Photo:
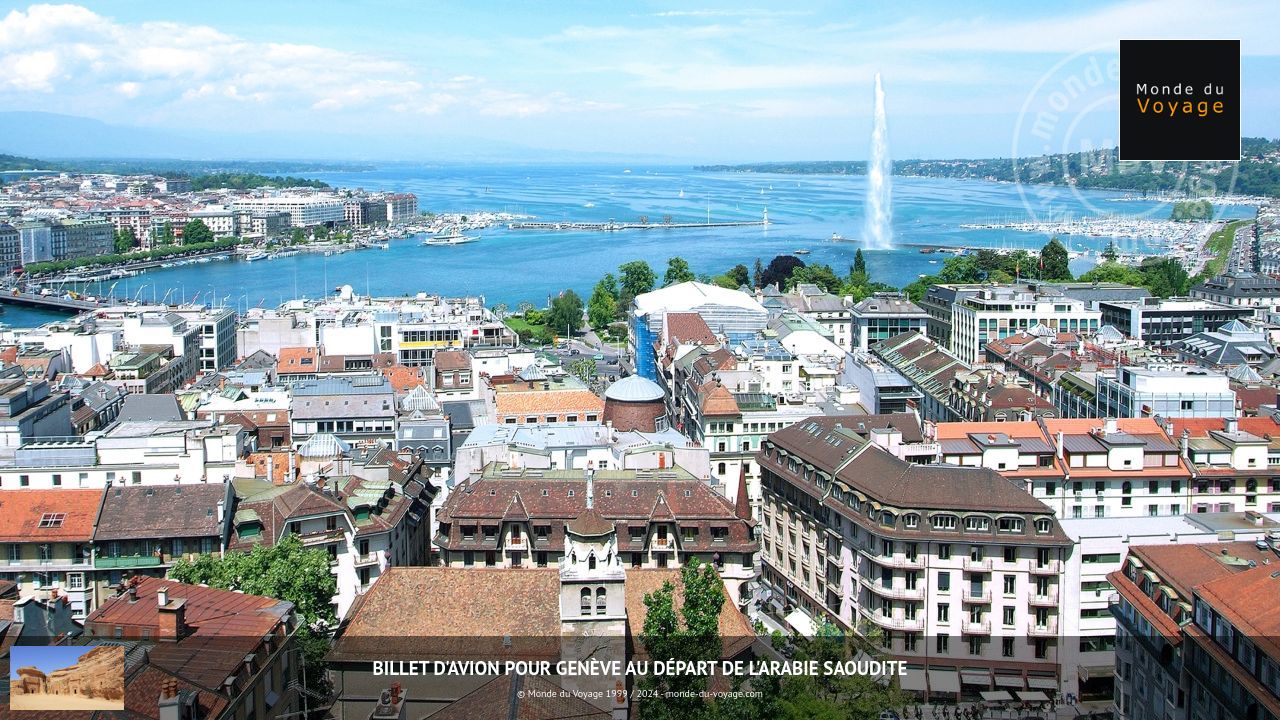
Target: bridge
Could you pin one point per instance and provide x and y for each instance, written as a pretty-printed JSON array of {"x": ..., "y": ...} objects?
[{"x": 52, "y": 302}]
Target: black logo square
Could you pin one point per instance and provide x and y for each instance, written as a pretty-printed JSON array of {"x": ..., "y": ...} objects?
[{"x": 1179, "y": 99}]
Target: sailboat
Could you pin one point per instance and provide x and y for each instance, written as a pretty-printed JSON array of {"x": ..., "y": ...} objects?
[{"x": 681, "y": 192}]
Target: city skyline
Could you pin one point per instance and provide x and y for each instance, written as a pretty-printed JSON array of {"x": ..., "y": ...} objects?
[{"x": 711, "y": 82}]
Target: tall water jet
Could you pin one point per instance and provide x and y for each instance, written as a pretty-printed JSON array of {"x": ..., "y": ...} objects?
[{"x": 877, "y": 233}]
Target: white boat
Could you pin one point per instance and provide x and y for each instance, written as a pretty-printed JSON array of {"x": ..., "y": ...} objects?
[
  {"x": 452, "y": 238},
  {"x": 836, "y": 237},
  {"x": 255, "y": 255},
  {"x": 802, "y": 252},
  {"x": 589, "y": 205}
]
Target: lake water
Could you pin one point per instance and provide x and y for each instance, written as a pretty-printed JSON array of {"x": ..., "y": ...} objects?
[{"x": 515, "y": 265}]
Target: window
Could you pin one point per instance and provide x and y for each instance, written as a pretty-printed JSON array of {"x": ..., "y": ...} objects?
[
  {"x": 944, "y": 613},
  {"x": 1011, "y": 525},
  {"x": 24, "y": 481},
  {"x": 1006, "y": 647},
  {"x": 490, "y": 558},
  {"x": 1010, "y": 554},
  {"x": 601, "y": 602},
  {"x": 1010, "y": 584},
  {"x": 1008, "y": 617},
  {"x": 944, "y": 581},
  {"x": 944, "y": 551},
  {"x": 585, "y": 602},
  {"x": 942, "y": 644},
  {"x": 57, "y": 480},
  {"x": 51, "y": 520}
]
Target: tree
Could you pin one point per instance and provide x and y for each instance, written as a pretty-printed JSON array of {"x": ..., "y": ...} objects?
[
  {"x": 1165, "y": 277},
  {"x": 602, "y": 308},
  {"x": 523, "y": 308},
  {"x": 696, "y": 639},
  {"x": 757, "y": 274},
  {"x": 166, "y": 235},
  {"x": 859, "y": 262},
  {"x": 196, "y": 232},
  {"x": 779, "y": 271},
  {"x": 286, "y": 571},
  {"x": 739, "y": 275},
  {"x": 637, "y": 278},
  {"x": 321, "y": 232},
  {"x": 1113, "y": 272},
  {"x": 297, "y": 236},
  {"x": 501, "y": 310},
  {"x": 125, "y": 241},
  {"x": 1054, "y": 261},
  {"x": 677, "y": 272},
  {"x": 833, "y": 695},
  {"x": 584, "y": 368},
  {"x": 1110, "y": 254},
  {"x": 565, "y": 313},
  {"x": 821, "y": 275}
]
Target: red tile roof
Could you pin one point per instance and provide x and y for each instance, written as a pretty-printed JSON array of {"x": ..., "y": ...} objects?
[
  {"x": 60, "y": 515},
  {"x": 298, "y": 360},
  {"x": 685, "y": 328},
  {"x": 1200, "y": 427},
  {"x": 402, "y": 378},
  {"x": 452, "y": 360}
]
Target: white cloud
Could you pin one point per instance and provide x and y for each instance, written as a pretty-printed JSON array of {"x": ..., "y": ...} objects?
[
  {"x": 29, "y": 71},
  {"x": 129, "y": 89}
]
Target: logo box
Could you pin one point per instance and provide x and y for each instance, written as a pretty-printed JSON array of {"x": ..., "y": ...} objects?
[{"x": 1180, "y": 100}]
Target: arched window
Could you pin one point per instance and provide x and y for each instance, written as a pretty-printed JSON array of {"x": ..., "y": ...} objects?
[
  {"x": 600, "y": 601},
  {"x": 1126, "y": 488},
  {"x": 586, "y": 601},
  {"x": 1251, "y": 485},
  {"x": 591, "y": 561}
]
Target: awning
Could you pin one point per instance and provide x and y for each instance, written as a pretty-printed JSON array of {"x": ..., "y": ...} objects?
[
  {"x": 944, "y": 681},
  {"x": 801, "y": 623},
  {"x": 1044, "y": 683},
  {"x": 1014, "y": 681},
  {"x": 975, "y": 677},
  {"x": 996, "y": 696},
  {"x": 1033, "y": 696},
  {"x": 913, "y": 679}
]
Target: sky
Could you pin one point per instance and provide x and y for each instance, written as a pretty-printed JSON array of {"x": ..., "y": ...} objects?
[{"x": 689, "y": 80}]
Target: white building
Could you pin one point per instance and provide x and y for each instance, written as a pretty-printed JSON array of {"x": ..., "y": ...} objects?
[
  {"x": 1164, "y": 390},
  {"x": 304, "y": 210},
  {"x": 997, "y": 312}
]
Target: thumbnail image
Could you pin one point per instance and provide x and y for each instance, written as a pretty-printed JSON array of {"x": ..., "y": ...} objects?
[{"x": 66, "y": 678}]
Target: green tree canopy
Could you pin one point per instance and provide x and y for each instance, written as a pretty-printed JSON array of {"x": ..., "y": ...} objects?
[
  {"x": 196, "y": 232},
  {"x": 565, "y": 313},
  {"x": 1054, "y": 261},
  {"x": 677, "y": 272},
  {"x": 125, "y": 241},
  {"x": 739, "y": 275},
  {"x": 602, "y": 308},
  {"x": 779, "y": 271},
  {"x": 821, "y": 275},
  {"x": 637, "y": 278},
  {"x": 859, "y": 262},
  {"x": 665, "y": 637}
]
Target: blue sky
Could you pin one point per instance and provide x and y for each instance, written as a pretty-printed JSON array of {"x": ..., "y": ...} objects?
[
  {"x": 45, "y": 658},
  {"x": 688, "y": 80}
]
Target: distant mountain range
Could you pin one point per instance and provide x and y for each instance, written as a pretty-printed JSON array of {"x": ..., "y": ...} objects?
[
  {"x": 53, "y": 136},
  {"x": 1258, "y": 172}
]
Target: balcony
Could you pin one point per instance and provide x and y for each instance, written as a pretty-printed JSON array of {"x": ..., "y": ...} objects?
[
  {"x": 972, "y": 565},
  {"x": 1043, "y": 600},
  {"x": 896, "y": 593},
  {"x": 897, "y": 623},
  {"x": 1052, "y": 567},
  {"x": 128, "y": 561},
  {"x": 324, "y": 537},
  {"x": 367, "y": 559},
  {"x": 976, "y": 596},
  {"x": 50, "y": 564},
  {"x": 663, "y": 544},
  {"x": 893, "y": 561},
  {"x": 976, "y": 628},
  {"x": 1048, "y": 628},
  {"x": 517, "y": 543}
]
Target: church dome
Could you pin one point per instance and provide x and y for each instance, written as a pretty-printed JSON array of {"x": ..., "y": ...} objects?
[{"x": 634, "y": 389}]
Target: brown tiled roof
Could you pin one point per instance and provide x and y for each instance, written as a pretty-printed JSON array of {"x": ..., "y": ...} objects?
[
  {"x": 142, "y": 694},
  {"x": 589, "y": 523},
  {"x": 98, "y": 371},
  {"x": 717, "y": 400},
  {"x": 687, "y": 328},
  {"x": 455, "y": 614},
  {"x": 520, "y": 697},
  {"x": 1248, "y": 600},
  {"x": 23, "y": 512},
  {"x": 163, "y": 511},
  {"x": 1183, "y": 566},
  {"x": 402, "y": 378},
  {"x": 1200, "y": 427},
  {"x": 297, "y": 360},
  {"x": 452, "y": 360},
  {"x": 549, "y": 402}
]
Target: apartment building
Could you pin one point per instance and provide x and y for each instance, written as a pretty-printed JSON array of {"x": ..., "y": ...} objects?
[
  {"x": 207, "y": 653},
  {"x": 930, "y": 368},
  {"x": 1235, "y": 463},
  {"x": 304, "y": 210},
  {"x": 352, "y": 408},
  {"x": 958, "y": 568},
  {"x": 365, "y": 523},
  {"x": 882, "y": 316},
  {"x": 517, "y": 517},
  {"x": 815, "y": 304},
  {"x": 10, "y": 248},
  {"x": 401, "y": 207},
  {"x": 48, "y": 544},
  {"x": 1255, "y": 291},
  {"x": 996, "y": 312},
  {"x": 1195, "y": 629},
  {"x": 30, "y": 410}
]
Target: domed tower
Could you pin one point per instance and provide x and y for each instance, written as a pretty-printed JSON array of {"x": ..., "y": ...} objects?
[{"x": 635, "y": 403}]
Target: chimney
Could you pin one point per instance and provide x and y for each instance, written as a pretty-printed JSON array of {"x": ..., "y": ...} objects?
[
  {"x": 173, "y": 620},
  {"x": 222, "y": 510},
  {"x": 1059, "y": 445},
  {"x": 162, "y": 595},
  {"x": 1232, "y": 424},
  {"x": 133, "y": 595},
  {"x": 1110, "y": 426},
  {"x": 170, "y": 704},
  {"x": 391, "y": 704},
  {"x": 591, "y": 486},
  {"x": 1185, "y": 443}
]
